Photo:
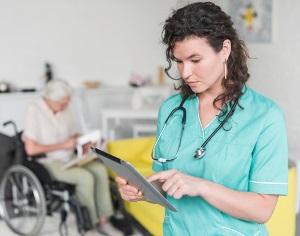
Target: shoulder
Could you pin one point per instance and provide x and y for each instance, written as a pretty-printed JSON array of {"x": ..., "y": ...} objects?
[
  {"x": 171, "y": 102},
  {"x": 258, "y": 102},
  {"x": 35, "y": 106},
  {"x": 168, "y": 105},
  {"x": 173, "y": 99},
  {"x": 260, "y": 110}
]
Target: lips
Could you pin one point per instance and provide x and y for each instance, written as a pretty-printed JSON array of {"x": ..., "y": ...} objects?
[{"x": 192, "y": 83}]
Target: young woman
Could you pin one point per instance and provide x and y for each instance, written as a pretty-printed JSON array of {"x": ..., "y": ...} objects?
[{"x": 221, "y": 157}]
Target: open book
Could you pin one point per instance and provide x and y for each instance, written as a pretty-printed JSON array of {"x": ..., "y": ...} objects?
[{"x": 81, "y": 159}]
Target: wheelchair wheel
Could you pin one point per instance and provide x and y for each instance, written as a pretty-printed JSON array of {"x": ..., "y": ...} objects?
[{"x": 22, "y": 201}]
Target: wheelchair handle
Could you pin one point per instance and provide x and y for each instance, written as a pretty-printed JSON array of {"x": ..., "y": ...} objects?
[{"x": 12, "y": 123}]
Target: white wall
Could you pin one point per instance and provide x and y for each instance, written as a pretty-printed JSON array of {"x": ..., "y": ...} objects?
[
  {"x": 84, "y": 39},
  {"x": 109, "y": 39},
  {"x": 276, "y": 71}
]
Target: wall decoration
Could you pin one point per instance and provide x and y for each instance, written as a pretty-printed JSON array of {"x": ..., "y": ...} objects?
[{"x": 253, "y": 19}]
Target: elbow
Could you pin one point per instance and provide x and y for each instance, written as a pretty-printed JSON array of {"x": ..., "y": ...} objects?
[
  {"x": 263, "y": 216},
  {"x": 31, "y": 147},
  {"x": 260, "y": 218},
  {"x": 29, "y": 151},
  {"x": 263, "y": 219}
]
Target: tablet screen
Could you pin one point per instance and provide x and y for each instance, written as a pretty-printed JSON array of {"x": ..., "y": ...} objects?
[{"x": 125, "y": 170}]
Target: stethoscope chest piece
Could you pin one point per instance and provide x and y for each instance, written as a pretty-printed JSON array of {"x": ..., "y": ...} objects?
[{"x": 200, "y": 152}]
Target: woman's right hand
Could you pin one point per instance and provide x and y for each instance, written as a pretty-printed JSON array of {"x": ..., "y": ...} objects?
[
  {"x": 70, "y": 143},
  {"x": 129, "y": 192}
]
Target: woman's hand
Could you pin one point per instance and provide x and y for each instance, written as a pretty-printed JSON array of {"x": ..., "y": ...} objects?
[
  {"x": 86, "y": 147},
  {"x": 70, "y": 143},
  {"x": 129, "y": 192},
  {"x": 177, "y": 184},
  {"x": 248, "y": 206}
]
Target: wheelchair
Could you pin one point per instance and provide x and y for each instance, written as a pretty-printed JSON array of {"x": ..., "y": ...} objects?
[{"x": 28, "y": 194}]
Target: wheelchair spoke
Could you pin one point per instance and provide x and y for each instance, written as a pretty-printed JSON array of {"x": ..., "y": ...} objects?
[
  {"x": 24, "y": 206},
  {"x": 15, "y": 184}
]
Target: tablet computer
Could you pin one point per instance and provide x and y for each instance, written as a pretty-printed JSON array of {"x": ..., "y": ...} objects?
[{"x": 125, "y": 170}]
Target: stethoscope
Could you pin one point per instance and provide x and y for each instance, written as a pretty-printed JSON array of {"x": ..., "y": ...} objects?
[{"x": 200, "y": 152}]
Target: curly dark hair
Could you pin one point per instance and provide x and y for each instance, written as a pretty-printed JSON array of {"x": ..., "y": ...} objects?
[{"x": 207, "y": 20}]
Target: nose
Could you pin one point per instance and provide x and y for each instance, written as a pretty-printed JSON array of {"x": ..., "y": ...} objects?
[{"x": 185, "y": 70}]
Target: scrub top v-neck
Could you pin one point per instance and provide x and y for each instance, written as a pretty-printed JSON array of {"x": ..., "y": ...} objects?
[{"x": 239, "y": 156}]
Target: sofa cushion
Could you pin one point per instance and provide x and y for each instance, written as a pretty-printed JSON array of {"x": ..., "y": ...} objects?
[{"x": 137, "y": 151}]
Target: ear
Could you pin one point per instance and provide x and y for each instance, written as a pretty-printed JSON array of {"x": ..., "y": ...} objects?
[{"x": 226, "y": 49}]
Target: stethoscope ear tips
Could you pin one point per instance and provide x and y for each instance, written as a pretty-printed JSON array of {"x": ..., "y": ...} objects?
[{"x": 199, "y": 153}]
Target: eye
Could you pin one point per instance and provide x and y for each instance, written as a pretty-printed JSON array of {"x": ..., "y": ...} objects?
[{"x": 196, "y": 61}]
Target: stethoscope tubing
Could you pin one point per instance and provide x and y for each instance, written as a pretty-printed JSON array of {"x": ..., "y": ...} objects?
[
  {"x": 200, "y": 152},
  {"x": 220, "y": 125},
  {"x": 165, "y": 125}
]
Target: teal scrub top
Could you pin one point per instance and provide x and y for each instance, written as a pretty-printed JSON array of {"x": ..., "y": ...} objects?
[{"x": 249, "y": 154}]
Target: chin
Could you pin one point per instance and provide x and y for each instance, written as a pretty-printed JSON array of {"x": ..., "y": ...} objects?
[{"x": 197, "y": 90}]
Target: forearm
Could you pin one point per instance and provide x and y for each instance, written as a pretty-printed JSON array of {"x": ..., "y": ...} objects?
[
  {"x": 39, "y": 148},
  {"x": 248, "y": 206},
  {"x": 33, "y": 147},
  {"x": 242, "y": 205}
]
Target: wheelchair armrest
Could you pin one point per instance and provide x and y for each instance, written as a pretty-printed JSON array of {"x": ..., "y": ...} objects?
[
  {"x": 40, "y": 171},
  {"x": 38, "y": 156}
]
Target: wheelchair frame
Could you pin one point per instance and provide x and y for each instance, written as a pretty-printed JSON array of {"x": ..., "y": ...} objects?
[
  {"x": 26, "y": 198},
  {"x": 22, "y": 198},
  {"x": 25, "y": 202}
]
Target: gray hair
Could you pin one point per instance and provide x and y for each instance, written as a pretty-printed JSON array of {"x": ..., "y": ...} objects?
[{"x": 56, "y": 90}]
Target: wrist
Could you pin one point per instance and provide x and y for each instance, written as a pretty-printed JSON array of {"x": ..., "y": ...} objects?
[
  {"x": 204, "y": 188},
  {"x": 61, "y": 145}
]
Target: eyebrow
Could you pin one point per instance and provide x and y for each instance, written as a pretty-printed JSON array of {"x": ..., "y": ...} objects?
[
  {"x": 193, "y": 55},
  {"x": 189, "y": 57}
]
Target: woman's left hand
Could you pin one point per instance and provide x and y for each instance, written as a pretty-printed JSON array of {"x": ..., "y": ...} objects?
[
  {"x": 86, "y": 147},
  {"x": 178, "y": 184}
]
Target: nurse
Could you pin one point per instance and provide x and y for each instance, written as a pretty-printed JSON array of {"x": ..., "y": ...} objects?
[{"x": 231, "y": 184}]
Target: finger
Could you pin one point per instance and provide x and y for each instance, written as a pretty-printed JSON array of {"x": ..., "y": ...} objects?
[
  {"x": 182, "y": 185},
  {"x": 131, "y": 198},
  {"x": 172, "y": 188},
  {"x": 178, "y": 194},
  {"x": 127, "y": 188},
  {"x": 173, "y": 185},
  {"x": 160, "y": 176},
  {"x": 131, "y": 190},
  {"x": 130, "y": 193},
  {"x": 120, "y": 180}
]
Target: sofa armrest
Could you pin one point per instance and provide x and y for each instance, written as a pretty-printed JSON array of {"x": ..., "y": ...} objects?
[{"x": 133, "y": 149}]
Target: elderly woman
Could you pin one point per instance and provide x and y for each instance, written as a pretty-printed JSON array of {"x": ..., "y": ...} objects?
[{"x": 50, "y": 129}]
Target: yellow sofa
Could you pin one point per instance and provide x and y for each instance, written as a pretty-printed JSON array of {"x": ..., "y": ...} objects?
[
  {"x": 138, "y": 152},
  {"x": 283, "y": 220}
]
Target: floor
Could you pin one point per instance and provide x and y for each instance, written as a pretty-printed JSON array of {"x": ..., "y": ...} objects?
[{"x": 50, "y": 227}]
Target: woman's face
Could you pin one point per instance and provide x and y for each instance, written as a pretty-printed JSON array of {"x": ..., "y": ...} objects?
[
  {"x": 57, "y": 106},
  {"x": 199, "y": 65}
]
